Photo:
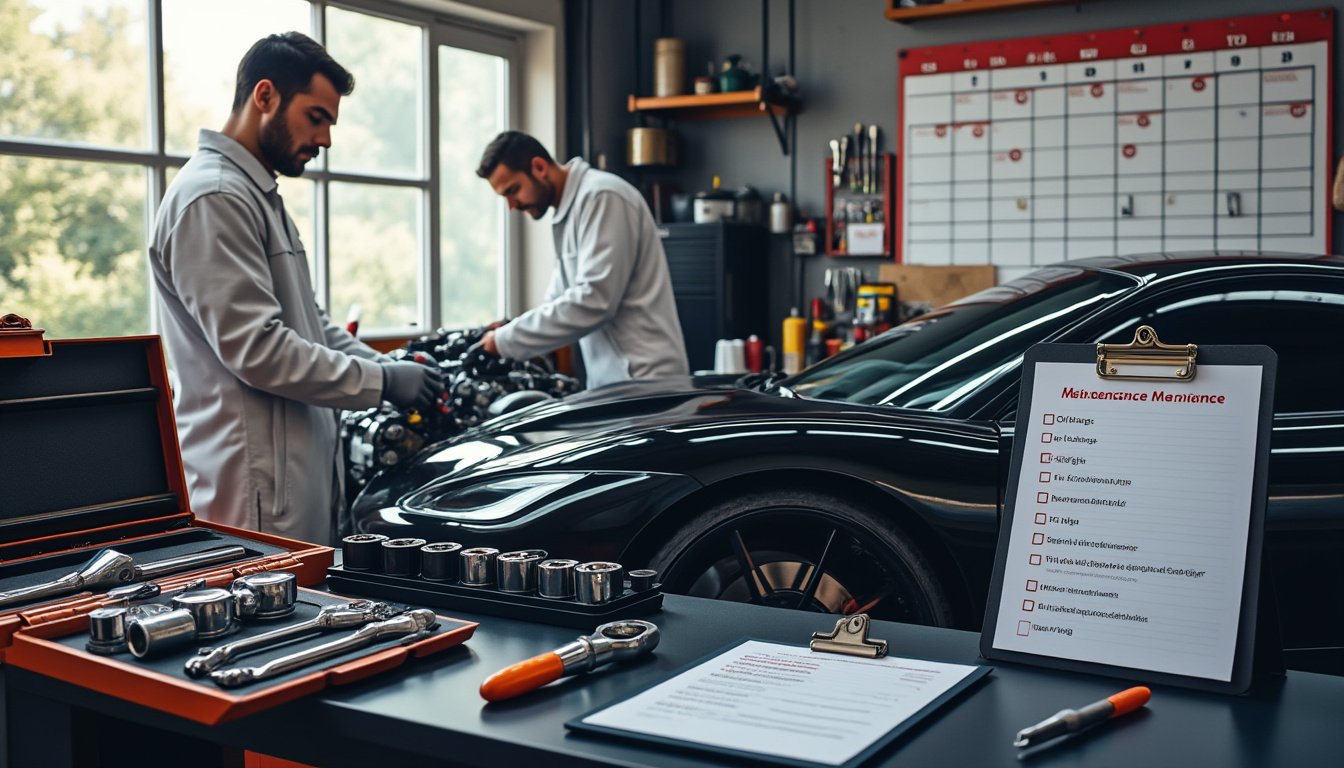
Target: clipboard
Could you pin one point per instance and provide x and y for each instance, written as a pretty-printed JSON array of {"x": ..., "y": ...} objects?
[
  {"x": 848, "y": 642},
  {"x": 1133, "y": 526}
]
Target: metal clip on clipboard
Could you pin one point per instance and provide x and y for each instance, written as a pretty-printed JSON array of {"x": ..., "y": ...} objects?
[
  {"x": 850, "y": 637},
  {"x": 1146, "y": 359}
]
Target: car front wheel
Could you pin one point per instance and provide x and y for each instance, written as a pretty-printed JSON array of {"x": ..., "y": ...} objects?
[{"x": 805, "y": 550}]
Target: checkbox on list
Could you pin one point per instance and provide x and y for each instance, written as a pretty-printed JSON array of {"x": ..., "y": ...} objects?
[
  {"x": 1038, "y": 538},
  {"x": 1023, "y": 628},
  {"x": 1028, "y": 605},
  {"x": 1046, "y": 457},
  {"x": 1048, "y": 419},
  {"x": 1031, "y": 585},
  {"x": 1047, "y": 437},
  {"x": 1045, "y": 477},
  {"x": 1040, "y": 518},
  {"x": 1034, "y": 560},
  {"x": 1042, "y": 497}
]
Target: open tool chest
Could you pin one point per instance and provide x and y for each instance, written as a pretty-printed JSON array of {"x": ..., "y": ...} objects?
[{"x": 91, "y": 475}]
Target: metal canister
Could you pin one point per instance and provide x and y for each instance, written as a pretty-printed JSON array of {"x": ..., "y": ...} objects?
[
  {"x": 650, "y": 146},
  {"x": 669, "y": 66}
]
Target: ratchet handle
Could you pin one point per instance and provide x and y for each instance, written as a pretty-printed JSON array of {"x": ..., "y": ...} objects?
[{"x": 523, "y": 677}]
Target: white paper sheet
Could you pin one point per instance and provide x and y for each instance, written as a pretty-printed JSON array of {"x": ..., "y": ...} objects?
[
  {"x": 785, "y": 701},
  {"x": 1130, "y": 524}
]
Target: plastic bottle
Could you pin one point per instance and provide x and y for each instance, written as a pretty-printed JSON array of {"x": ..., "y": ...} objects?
[{"x": 794, "y": 339}]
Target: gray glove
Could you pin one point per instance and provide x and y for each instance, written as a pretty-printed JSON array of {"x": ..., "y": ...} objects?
[{"x": 407, "y": 384}]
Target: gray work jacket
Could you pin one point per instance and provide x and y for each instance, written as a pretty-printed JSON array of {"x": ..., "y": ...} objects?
[
  {"x": 259, "y": 366},
  {"x": 610, "y": 291}
]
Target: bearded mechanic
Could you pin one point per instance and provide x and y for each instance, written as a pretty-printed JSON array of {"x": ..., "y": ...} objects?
[{"x": 260, "y": 367}]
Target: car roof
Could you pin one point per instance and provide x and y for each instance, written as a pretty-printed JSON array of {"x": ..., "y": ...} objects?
[{"x": 1163, "y": 264}]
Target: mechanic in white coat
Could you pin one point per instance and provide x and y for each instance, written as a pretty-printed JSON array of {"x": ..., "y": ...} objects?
[
  {"x": 610, "y": 291},
  {"x": 260, "y": 368}
]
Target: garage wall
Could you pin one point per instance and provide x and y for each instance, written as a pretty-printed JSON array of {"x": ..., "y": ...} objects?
[{"x": 846, "y": 62}]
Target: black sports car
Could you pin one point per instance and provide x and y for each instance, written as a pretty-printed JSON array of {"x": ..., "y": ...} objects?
[{"x": 874, "y": 480}]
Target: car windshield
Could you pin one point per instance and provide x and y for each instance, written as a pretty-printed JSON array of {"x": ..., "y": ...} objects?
[{"x": 931, "y": 362}]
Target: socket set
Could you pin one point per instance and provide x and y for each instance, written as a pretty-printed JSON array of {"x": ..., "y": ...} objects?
[{"x": 524, "y": 584}]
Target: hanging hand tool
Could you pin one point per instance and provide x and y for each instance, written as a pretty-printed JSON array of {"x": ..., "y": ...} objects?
[
  {"x": 415, "y": 622},
  {"x": 856, "y": 173},
  {"x": 110, "y": 567},
  {"x": 836, "y": 167},
  {"x": 613, "y": 641},
  {"x": 872, "y": 159},
  {"x": 331, "y": 617}
]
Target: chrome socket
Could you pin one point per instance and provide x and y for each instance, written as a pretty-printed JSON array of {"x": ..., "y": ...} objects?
[
  {"x": 401, "y": 557},
  {"x": 642, "y": 579},
  {"x": 478, "y": 566},
  {"x": 212, "y": 610},
  {"x": 107, "y": 631},
  {"x": 362, "y": 552},
  {"x": 148, "y": 635},
  {"x": 598, "y": 582},
  {"x": 518, "y": 570},
  {"x": 439, "y": 561},
  {"x": 556, "y": 578},
  {"x": 268, "y": 595}
]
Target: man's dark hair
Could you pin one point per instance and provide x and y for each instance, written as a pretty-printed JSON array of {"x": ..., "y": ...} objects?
[
  {"x": 513, "y": 149},
  {"x": 289, "y": 61}
]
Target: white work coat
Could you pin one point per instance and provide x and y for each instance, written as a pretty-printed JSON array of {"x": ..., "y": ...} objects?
[
  {"x": 610, "y": 291},
  {"x": 259, "y": 366}
]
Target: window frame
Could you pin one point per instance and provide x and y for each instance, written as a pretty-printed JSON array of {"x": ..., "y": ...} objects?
[{"x": 437, "y": 28}]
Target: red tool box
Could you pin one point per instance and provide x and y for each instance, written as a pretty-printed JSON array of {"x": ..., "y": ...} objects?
[{"x": 91, "y": 462}]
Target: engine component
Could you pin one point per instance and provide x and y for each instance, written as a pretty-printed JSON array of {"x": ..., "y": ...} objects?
[{"x": 477, "y": 387}]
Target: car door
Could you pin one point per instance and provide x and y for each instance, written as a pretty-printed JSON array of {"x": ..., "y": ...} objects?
[{"x": 1300, "y": 315}]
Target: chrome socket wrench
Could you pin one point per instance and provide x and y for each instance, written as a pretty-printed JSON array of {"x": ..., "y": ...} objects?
[
  {"x": 556, "y": 578},
  {"x": 110, "y": 568},
  {"x": 107, "y": 631},
  {"x": 517, "y": 571},
  {"x": 267, "y": 595},
  {"x": 331, "y": 617},
  {"x": 598, "y": 582},
  {"x": 420, "y": 620},
  {"x": 478, "y": 566},
  {"x": 213, "y": 611},
  {"x": 401, "y": 557},
  {"x": 152, "y": 634}
]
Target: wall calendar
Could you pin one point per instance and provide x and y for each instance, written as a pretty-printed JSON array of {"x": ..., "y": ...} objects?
[{"x": 1209, "y": 134}]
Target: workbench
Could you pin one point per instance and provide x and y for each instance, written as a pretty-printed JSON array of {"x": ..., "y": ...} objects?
[{"x": 429, "y": 713}]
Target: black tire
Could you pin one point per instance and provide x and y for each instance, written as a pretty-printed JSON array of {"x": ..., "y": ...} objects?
[{"x": 868, "y": 565}]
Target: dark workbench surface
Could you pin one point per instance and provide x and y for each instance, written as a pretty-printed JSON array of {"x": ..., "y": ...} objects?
[{"x": 429, "y": 713}]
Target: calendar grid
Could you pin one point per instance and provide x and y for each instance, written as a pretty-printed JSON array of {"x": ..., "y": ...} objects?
[{"x": 1190, "y": 143}]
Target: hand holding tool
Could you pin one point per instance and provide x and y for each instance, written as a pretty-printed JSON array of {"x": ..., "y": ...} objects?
[
  {"x": 1071, "y": 720},
  {"x": 412, "y": 622},
  {"x": 611, "y": 642},
  {"x": 110, "y": 567}
]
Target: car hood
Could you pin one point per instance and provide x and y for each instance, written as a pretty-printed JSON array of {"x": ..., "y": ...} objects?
[{"x": 640, "y": 418}]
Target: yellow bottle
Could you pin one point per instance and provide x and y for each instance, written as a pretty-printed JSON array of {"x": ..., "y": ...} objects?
[{"x": 795, "y": 339}]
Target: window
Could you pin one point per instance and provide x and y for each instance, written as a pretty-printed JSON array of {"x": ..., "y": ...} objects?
[{"x": 393, "y": 217}]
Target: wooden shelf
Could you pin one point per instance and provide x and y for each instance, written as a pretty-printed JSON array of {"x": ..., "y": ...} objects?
[
  {"x": 897, "y": 12},
  {"x": 716, "y": 105}
]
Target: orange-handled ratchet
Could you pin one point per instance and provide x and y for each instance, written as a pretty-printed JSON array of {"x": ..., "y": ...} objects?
[{"x": 611, "y": 642}]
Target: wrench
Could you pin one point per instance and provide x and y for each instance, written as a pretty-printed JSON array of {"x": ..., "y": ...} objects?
[
  {"x": 110, "y": 567},
  {"x": 331, "y": 617},
  {"x": 417, "y": 621}
]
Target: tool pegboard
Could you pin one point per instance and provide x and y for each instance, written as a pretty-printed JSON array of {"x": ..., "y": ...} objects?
[{"x": 1208, "y": 134}]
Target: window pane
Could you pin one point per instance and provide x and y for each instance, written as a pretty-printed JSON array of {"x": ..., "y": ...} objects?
[
  {"x": 72, "y": 243},
  {"x": 202, "y": 44},
  {"x": 375, "y": 255},
  {"x": 473, "y": 94},
  {"x": 74, "y": 71},
  {"x": 379, "y": 130}
]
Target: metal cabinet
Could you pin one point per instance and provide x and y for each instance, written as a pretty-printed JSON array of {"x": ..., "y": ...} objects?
[{"x": 720, "y": 279}]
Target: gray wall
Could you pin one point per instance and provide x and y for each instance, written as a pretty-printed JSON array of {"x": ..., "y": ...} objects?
[{"x": 845, "y": 52}]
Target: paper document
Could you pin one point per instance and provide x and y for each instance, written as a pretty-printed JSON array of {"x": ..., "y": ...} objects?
[
  {"x": 785, "y": 702},
  {"x": 1131, "y": 519}
]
